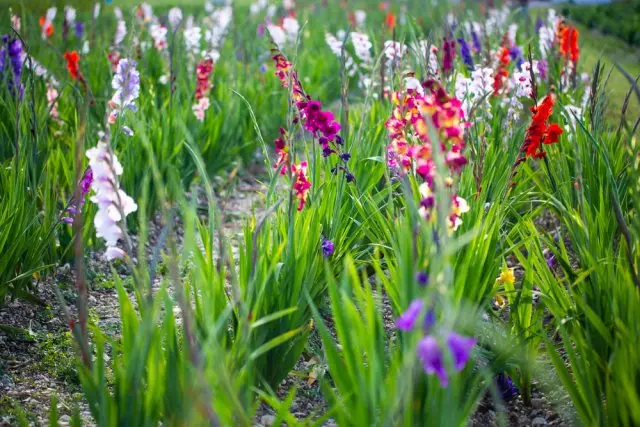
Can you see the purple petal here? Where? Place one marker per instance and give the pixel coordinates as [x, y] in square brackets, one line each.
[430, 355]
[460, 349]
[407, 320]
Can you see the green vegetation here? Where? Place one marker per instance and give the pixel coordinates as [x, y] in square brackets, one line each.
[620, 19]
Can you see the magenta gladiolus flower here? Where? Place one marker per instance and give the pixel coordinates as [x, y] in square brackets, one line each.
[430, 355]
[460, 349]
[407, 320]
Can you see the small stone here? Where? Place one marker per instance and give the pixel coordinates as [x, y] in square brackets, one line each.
[539, 422]
[268, 420]
[523, 421]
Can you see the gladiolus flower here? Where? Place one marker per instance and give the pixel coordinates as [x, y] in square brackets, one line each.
[407, 320]
[327, 248]
[569, 43]
[507, 389]
[460, 348]
[390, 21]
[72, 63]
[47, 27]
[465, 52]
[113, 203]
[539, 131]
[301, 184]
[431, 357]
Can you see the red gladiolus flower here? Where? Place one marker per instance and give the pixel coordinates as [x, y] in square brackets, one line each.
[569, 43]
[390, 20]
[540, 131]
[72, 63]
[501, 70]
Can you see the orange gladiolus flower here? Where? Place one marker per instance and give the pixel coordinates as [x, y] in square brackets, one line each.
[72, 63]
[47, 27]
[539, 131]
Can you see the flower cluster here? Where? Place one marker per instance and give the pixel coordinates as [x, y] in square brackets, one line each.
[362, 49]
[471, 91]
[46, 23]
[430, 351]
[52, 103]
[282, 151]
[301, 183]
[540, 131]
[465, 53]
[73, 59]
[338, 49]
[158, 33]
[286, 33]
[126, 83]
[569, 42]
[414, 113]
[113, 203]
[175, 17]
[203, 86]
[16, 54]
[321, 124]
[121, 28]
[448, 55]
[503, 58]
[217, 23]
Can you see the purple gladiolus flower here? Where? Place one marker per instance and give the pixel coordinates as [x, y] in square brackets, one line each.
[422, 277]
[429, 320]
[327, 248]
[476, 42]
[430, 355]
[460, 349]
[407, 320]
[79, 29]
[3, 56]
[75, 206]
[551, 260]
[543, 68]
[507, 389]
[539, 24]
[516, 55]
[465, 52]
[126, 83]
[15, 56]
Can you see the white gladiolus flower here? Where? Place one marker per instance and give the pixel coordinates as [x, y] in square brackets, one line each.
[113, 203]
[175, 17]
[121, 32]
[277, 34]
[192, 38]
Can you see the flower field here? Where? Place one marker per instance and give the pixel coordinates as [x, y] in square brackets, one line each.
[315, 213]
